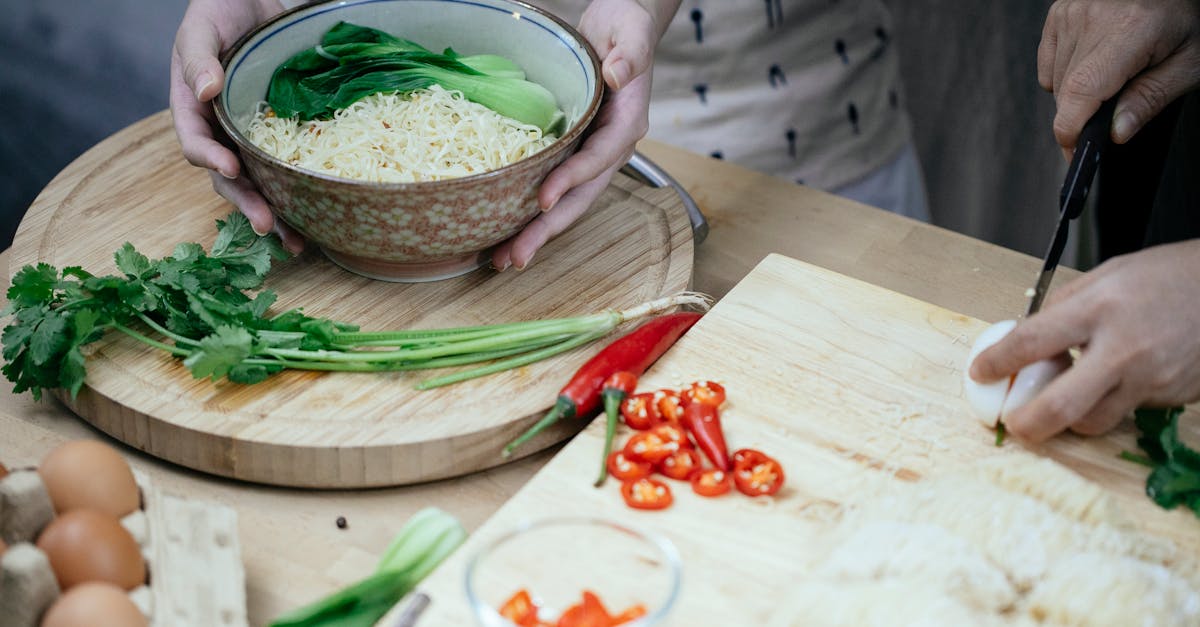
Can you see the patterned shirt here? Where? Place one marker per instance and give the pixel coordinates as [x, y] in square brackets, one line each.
[803, 89]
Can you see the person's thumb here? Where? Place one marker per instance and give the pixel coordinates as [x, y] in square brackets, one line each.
[198, 44]
[1150, 92]
[631, 55]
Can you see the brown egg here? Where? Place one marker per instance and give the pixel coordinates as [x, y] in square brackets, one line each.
[87, 545]
[94, 605]
[3, 546]
[87, 473]
[3, 471]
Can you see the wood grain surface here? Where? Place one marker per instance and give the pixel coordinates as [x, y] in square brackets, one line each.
[336, 430]
[843, 382]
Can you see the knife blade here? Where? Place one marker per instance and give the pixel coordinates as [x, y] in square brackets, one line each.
[1093, 142]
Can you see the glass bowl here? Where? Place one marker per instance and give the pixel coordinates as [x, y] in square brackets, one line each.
[557, 559]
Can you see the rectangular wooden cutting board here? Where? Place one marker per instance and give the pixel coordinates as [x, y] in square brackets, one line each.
[843, 382]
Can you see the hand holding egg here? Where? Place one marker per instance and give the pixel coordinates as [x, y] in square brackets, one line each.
[993, 401]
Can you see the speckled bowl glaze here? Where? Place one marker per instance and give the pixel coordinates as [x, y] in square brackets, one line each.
[413, 231]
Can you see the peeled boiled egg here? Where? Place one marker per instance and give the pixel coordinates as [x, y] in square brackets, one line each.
[91, 474]
[88, 545]
[94, 604]
[993, 401]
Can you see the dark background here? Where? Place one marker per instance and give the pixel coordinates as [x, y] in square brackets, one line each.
[75, 73]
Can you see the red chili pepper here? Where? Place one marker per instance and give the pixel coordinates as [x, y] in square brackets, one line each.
[680, 464]
[633, 352]
[704, 422]
[631, 614]
[711, 482]
[650, 446]
[616, 388]
[756, 474]
[670, 405]
[640, 412]
[520, 610]
[589, 613]
[646, 493]
[708, 392]
[625, 468]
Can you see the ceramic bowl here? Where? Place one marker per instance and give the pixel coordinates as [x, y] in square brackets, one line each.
[556, 559]
[413, 231]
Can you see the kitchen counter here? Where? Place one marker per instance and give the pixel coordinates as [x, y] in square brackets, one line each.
[291, 547]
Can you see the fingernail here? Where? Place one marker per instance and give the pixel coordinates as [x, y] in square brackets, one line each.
[503, 267]
[226, 174]
[202, 82]
[259, 232]
[618, 74]
[1123, 126]
[522, 266]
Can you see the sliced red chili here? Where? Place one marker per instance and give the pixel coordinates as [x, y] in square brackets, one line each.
[673, 433]
[640, 411]
[680, 464]
[588, 613]
[629, 615]
[756, 474]
[669, 404]
[624, 468]
[706, 392]
[650, 446]
[711, 482]
[519, 609]
[646, 493]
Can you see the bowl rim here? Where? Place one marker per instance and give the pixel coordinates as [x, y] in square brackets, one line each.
[225, 120]
[666, 548]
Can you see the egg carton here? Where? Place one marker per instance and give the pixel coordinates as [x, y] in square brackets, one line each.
[190, 547]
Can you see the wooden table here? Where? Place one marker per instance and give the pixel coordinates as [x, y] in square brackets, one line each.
[294, 552]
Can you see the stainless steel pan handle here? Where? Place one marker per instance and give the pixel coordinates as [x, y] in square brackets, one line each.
[645, 170]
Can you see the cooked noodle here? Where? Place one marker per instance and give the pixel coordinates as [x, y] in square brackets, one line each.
[425, 135]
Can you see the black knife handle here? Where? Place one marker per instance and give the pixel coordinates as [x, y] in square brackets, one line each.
[1093, 142]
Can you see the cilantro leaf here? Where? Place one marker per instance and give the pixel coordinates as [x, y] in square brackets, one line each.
[251, 374]
[233, 232]
[48, 339]
[220, 352]
[32, 286]
[131, 262]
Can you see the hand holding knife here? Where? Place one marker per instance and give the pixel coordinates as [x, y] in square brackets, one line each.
[1093, 143]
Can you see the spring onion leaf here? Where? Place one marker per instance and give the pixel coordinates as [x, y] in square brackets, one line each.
[424, 542]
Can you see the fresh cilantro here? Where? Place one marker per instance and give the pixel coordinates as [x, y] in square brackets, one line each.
[1175, 476]
[209, 309]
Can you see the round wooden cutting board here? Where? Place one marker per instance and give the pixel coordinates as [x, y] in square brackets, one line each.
[335, 430]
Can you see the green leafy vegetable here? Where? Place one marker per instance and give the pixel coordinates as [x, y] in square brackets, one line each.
[425, 541]
[1175, 476]
[197, 306]
[352, 62]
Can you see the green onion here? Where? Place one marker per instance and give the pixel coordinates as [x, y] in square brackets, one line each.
[426, 540]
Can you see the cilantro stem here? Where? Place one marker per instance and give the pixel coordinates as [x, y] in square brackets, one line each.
[489, 343]
[179, 339]
[385, 366]
[509, 364]
[1137, 459]
[387, 338]
[174, 350]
